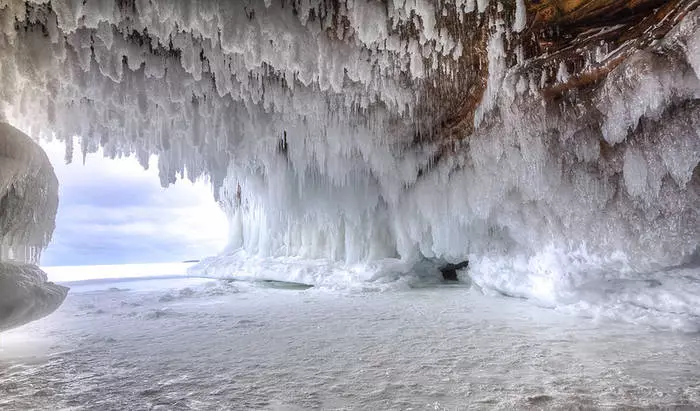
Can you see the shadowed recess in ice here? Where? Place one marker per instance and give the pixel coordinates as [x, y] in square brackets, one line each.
[368, 136]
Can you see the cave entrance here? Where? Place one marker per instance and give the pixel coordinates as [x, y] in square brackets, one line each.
[449, 271]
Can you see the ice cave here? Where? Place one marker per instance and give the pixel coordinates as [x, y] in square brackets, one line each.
[552, 144]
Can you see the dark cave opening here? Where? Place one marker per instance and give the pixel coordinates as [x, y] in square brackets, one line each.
[449, 271]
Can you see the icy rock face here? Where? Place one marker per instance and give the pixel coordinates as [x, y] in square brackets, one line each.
[387, 133]
[28, 196]
[25, 294]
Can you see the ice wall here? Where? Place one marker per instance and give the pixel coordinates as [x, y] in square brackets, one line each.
[333, 132]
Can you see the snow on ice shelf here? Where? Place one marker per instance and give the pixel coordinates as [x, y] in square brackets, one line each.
[384, 135]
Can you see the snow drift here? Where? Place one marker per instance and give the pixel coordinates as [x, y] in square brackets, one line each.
[384, 135]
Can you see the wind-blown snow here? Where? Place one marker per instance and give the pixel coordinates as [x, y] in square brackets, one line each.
[307, 123]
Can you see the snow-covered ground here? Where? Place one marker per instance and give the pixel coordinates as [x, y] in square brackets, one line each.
[188, 343]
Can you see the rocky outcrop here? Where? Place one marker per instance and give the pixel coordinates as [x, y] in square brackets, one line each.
[568, 47]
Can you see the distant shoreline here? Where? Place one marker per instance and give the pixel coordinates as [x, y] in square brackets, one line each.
[107, 280]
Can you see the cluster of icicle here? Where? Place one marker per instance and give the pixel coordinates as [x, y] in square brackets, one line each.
[166, 77]
[302, 114]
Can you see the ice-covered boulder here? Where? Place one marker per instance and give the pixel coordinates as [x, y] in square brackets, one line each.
[26, 295]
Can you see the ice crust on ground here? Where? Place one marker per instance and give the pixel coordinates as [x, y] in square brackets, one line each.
[257, 346]
[306, 129]
[26, 295]
[129, 345]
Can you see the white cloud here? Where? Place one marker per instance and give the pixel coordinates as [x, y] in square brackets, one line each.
[114, 212]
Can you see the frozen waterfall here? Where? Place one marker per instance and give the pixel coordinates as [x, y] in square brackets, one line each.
[370, 141]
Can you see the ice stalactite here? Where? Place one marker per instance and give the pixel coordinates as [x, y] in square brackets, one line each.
[28, 203]
[552, 144]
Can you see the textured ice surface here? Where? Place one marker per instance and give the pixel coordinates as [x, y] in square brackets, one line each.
[307, 119]
[206, 344]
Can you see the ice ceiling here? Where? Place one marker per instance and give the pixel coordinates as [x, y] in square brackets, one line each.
[525, 136]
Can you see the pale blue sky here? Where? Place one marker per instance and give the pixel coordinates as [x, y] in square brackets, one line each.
[115, 212]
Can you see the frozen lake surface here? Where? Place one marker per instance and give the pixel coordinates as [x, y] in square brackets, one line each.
[178, 344]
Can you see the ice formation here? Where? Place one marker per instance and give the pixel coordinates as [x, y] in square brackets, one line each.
[28, 203]
[28, 196]
[351, 140]
[25, 294]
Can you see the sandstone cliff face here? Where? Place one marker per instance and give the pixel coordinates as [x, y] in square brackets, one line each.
[568, 47]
